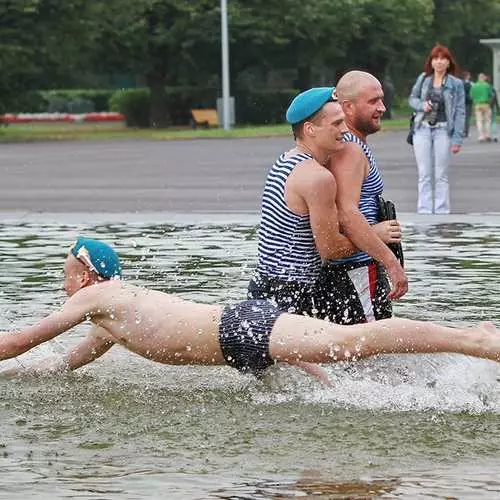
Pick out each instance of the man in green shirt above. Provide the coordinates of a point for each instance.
(481, 94)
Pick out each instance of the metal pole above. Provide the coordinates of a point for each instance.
(225, 66)
(494, 45)
(496, 68)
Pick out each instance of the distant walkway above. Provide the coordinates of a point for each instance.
(216, 175)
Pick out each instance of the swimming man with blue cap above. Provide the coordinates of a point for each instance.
(249, 336)
(299, 225)
(98, 257)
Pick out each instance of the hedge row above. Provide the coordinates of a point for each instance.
(253, 106)
(61, 101)
(77, 100)
(135, 104)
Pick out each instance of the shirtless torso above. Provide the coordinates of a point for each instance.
(153, 324)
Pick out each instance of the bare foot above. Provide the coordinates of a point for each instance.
(489, 343)
(489, 327)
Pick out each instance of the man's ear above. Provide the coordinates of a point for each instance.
(348, 107)
(85, 278)
(308, 129)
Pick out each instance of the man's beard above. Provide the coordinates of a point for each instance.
(366, 126)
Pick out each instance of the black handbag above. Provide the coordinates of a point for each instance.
(409, 138)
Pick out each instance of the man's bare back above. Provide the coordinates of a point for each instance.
(153, 324)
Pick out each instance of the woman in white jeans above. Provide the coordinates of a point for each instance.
(438, 99)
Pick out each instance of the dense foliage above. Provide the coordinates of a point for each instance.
(274, 45)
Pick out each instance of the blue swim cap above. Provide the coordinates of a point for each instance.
(98, 257)
(309, 102)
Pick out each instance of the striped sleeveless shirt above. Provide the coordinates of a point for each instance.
(372, 186)
(286, 247)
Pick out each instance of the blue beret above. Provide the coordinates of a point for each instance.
(98, 257)
(309, 102)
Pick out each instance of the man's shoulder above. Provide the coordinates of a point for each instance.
(99, 291)
(352, 153)
(312, 170)
(352, 146)
(294, 156)
(311, 175)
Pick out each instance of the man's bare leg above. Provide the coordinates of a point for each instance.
(299, 338)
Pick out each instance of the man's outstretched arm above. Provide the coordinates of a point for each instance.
(73, 312)
(92, 347)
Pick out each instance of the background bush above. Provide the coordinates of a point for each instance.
(134, 104)
(29, 102)
(77, 100)
(252, 106)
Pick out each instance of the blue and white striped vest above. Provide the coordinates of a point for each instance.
(372, 186)
(286, 249)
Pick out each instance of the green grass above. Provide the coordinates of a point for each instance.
(85, 131)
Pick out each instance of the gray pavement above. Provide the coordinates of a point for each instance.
(218, 176)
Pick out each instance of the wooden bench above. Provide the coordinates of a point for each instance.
(204, 118)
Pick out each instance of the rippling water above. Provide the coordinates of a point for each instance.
(395, 426)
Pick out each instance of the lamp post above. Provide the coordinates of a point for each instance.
(494, 45)
(225, 66)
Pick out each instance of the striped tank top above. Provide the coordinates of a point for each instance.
(372, 186)
(286, 247)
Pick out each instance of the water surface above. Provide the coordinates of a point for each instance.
(394, 426)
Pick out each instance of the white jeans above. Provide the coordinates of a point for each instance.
(432, 147)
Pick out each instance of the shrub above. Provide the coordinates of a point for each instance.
(261, 106)
(67, 100)
(25, 102)
(134, 104)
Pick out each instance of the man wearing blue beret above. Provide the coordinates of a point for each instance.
(359, 281)
(299, 226)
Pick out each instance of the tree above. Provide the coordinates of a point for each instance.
(393, 34)
(461, 23)
(295, 34)
(37, 50)
(18, 69)
(145, 38)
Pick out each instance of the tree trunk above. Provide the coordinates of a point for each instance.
(158, 110)
(303, 76)
(157, 76)
(377, 67)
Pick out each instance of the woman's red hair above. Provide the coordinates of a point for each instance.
(440, 51)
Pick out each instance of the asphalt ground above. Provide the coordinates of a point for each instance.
(211, 175)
